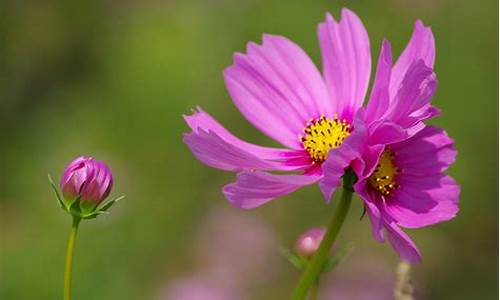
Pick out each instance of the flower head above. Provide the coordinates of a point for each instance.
(308, 243)
(316, 117)
(403, 185)
(87, 178)
(85, 184)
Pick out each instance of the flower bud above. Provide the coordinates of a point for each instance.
(308, 243)
(89, 179)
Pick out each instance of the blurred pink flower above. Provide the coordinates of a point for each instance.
(358, 280)
(232, 249)
(308, 243)
(236, 247)
(197, 288)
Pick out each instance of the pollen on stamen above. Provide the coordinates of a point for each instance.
(324, 134)
(383, 178)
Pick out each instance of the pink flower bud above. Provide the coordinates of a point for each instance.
(88, 178)
(308, 243)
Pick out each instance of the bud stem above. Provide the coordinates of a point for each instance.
(69, 258)
(315, 265)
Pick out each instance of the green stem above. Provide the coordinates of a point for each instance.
(316, 264)
(69, 258)
(313, 292)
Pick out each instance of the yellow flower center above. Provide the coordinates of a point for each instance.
(324, 134)
(383, 178)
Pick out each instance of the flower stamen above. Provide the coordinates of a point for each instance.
(383, 178)
(322, 135)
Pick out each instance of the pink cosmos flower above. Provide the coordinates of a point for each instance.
(315, 116)
(402, 184)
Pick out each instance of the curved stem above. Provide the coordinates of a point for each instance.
(316, 264)
(69, 258)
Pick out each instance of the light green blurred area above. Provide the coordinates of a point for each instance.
(112, 79)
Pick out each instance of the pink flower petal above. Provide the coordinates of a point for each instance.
(379, 97)
(373, 212)
(252, 189)
(384, 132)
(413, 97)
(212, 150)
(420, 47)
(402, 243)
(277, 88)
(427, 200)
(202, 120)
(345, 51)
(430, 151)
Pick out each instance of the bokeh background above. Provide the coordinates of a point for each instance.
(112, 79)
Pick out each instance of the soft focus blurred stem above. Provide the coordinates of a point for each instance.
(69, 258)
(313, 292)
(315, 265)
(403, 289)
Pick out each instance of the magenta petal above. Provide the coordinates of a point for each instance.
(212, 150)
(426, 201)
(402, 243)
(280, 159)
(385, 132)
(420, 47)
(370, 157)
(277, 88)
(430, 151)
(94, 187)
(340, 158)
(252, 189)
(372, 210)
(77, 163)
(414, 95)
(345, 52)
(106, 183)
(202, 120)
(74, 177)
(379, 97)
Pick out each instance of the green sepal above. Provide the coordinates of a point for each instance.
(95, 214)
(363, 213)
(335, 259)
(296, 260)
(82, 210)
(74, 207)
(106, 205)
(349, 179)
(87, 207)
(58, 196)
(101, 209)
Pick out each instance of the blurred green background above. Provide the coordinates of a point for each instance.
(111, 79)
